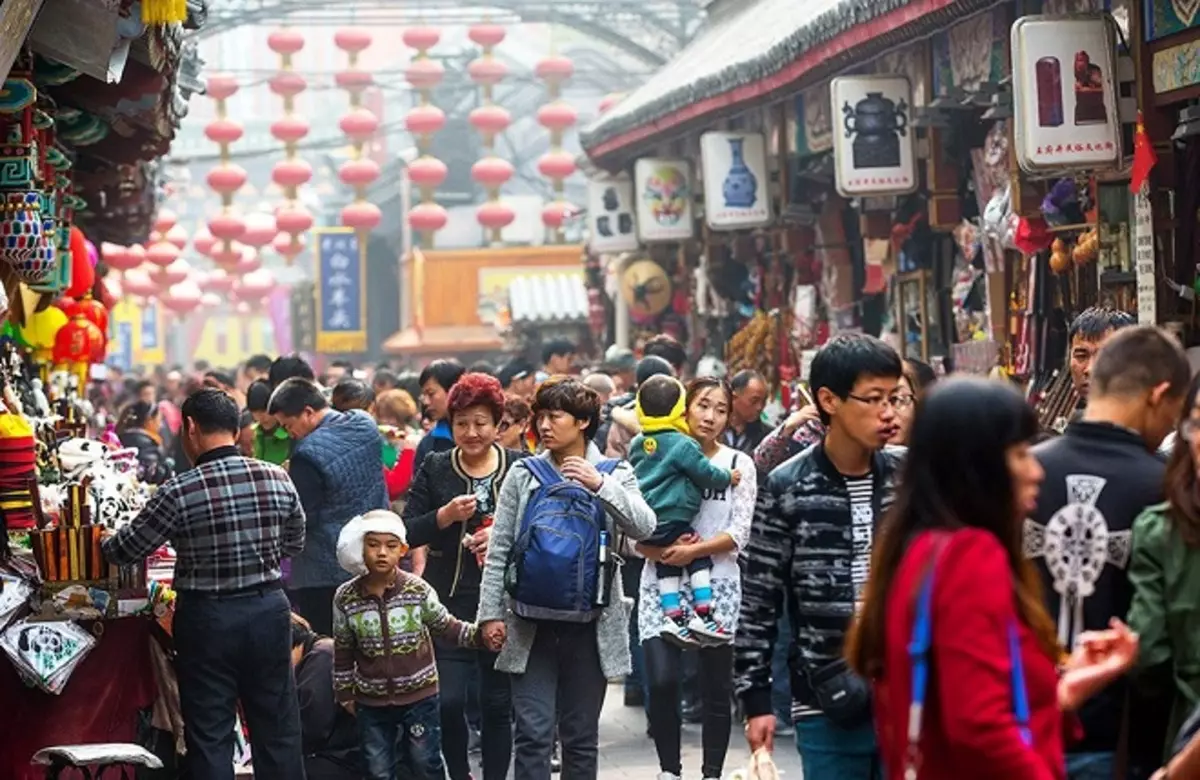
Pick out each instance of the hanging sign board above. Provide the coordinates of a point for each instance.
(341, 291)
(1143, 260)
(610, 215)
(735, 180)
(873, 147)
(663, 193)
(1064, 95)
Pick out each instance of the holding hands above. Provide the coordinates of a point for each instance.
(494, 634)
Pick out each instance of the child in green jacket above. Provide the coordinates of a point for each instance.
(672, 472)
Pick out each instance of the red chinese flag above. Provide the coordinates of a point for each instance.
(1144, 158)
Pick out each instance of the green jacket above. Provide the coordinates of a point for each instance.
(672, 471)
(1165, 613)
(274, 446)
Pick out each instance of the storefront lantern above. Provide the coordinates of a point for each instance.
(91, 310)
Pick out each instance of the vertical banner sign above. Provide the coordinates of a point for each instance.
(341, 291)
(150, 325)
(1143, 258)
(122, 356)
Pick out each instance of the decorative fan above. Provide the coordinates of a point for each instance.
(646, 288)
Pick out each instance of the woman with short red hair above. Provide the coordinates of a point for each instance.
(450, 506)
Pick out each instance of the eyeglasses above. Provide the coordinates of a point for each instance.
(897, 401)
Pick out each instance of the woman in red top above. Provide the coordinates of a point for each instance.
(969, 482)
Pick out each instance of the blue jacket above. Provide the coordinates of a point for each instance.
(338, 471)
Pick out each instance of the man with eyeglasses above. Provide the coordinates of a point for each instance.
(810, 548)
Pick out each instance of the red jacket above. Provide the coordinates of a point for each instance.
(399, 477)
(968, 728)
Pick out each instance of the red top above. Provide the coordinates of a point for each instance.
(399, 477)
(968, 728)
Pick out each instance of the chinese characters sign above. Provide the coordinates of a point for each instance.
(150, 325)
(1143, 259)
(873, 147)
(1065, 105)
(341, 292)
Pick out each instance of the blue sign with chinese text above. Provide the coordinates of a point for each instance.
(341, 291)
(150, 325)
(122, 356)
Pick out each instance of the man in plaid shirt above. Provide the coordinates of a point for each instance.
(231, 520)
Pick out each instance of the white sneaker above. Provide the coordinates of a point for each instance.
(678, 634)
(709, 631)
(668, 776)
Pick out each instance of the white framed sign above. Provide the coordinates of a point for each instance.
(1143, 260)
(874, 151)
(735, 180)
(1065, 114)
(611, 222)
(663, 192)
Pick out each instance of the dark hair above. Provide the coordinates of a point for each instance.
(919, 374)
(302, 632)
(444, 372)
(408, 382)
(258, 396)
(517, 368)
(556, 348)
(481, 367)
(669, 349)
(142, 385)
(220, 377)
(846, 359)
(342, 364)
(743, 378)
(951, 481)
(290, 367)
(475, 389)
(213, 411)
(258, 363)
(658, 395)
(702, 383)
(295, 395)
(1095, 322)
(351, 393)
(1183, 501)
(385, 376)
(1137, 360)
(568, 394)
(136, 415)
(517, 408)
(652, 365)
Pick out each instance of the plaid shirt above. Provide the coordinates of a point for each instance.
(231, 520)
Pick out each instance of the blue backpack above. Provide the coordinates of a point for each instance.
(561, 563)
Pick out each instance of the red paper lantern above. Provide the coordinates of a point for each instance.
(352, 40)
(291, 173)
(360, 124)
(227, 178)
(164, 221)
(260, 230)
(139, 284)
(290, 129)
(492, 172)
(610, 100)
(361, 216)
(288, 245)
(555, 214)
(223, 131)
(424, 73)
(227, 227)
(486, 35)
(557, 116)
(556, 165)
(174, 273)
(287, 84)
(221, 86)
(91, 310)
(428, 172)
(358, 173)
(83, 276)
(353, 79)
(424, 120)
(288, 41)
(427, 217)
(490, 119)
(487, 71)
(249, 263)
(183, 298)
(554, 68)
(162, 254)
(77, 341)
(217, 281)
(421, 38)
(203, 241)
(293, 219)
(495, 215)
(178, 236)
(119, 258)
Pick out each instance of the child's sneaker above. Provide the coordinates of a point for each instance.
(709, 631)
(677, 633)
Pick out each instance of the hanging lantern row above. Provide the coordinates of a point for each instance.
(228, 227)
(359, 125)
(426, 172)
(557, 116)
(291, 219)
(491, 172)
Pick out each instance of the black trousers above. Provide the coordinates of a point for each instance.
(457, 668)
(664, 670)
(230, 651)
(316, 606)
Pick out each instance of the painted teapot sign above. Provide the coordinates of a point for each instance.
(874, 151)
(610, 215)
(663, 192)
(735, 180)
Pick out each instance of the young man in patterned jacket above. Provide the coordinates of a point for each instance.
(812, 534)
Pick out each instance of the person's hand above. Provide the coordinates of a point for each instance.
(735, 478)
(679, 555)
(478, 541)
(494, 634)
(1160, 775)
(581, 471)
(799, 418)
(1099, 658)
(760, 733)
(457, 510)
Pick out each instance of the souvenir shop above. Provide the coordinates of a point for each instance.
(91, 100)
(927, 193)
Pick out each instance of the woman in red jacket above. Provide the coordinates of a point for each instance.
(953, 621)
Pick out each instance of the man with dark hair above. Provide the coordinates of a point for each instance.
(669, 349)
(255, 368)
(436, 381)
(289, 367)
(810, 549)
(623, 425)
(518, 377)
(621, 365)
(1086, 335)
(350, 393)
(557, 357)
(1100, 474)
(270, 441)
(746, 428)
(146, 391)
(231, 521)
(337, 466)
(337, 371)
(385, 379)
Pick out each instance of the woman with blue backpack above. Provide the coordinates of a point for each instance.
(968, 676)
(550, 593)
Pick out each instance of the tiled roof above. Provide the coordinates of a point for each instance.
(548, 298)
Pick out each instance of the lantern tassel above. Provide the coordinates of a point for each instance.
(164, 11)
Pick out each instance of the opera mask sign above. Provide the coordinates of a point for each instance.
(873, 148)
(663, 191)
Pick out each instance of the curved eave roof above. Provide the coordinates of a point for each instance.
(766, 46)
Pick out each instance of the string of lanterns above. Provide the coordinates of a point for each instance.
(292, 220)
(360, 125)
(425, 119)
(557, 116)
(490, 119)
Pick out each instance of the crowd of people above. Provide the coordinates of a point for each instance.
(383, 572)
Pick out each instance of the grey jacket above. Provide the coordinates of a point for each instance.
(628, 510)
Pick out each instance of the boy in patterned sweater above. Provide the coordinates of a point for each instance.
(384, 621)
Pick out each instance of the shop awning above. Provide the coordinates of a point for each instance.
(547, 299)
(762, 48)
(444, 341)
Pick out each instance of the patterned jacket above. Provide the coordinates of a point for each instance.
(383, 648)
(802, 540)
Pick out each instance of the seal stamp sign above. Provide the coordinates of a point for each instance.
(1076, 544)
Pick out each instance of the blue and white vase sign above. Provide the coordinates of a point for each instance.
(874, 150)
(735, 180)
(611, 220)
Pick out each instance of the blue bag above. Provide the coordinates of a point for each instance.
(561, 563)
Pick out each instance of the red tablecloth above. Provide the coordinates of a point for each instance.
(99, 704)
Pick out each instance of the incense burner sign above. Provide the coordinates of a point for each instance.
(873, 148)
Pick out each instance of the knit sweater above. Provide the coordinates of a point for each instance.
(383, 646)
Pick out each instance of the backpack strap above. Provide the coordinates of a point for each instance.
(542, 471)
(608, 465)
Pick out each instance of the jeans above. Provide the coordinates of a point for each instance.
(456, 668)
(829, 752)
(1099, 766)
(233, 649)
(781, 676)
(316, 606)
(664, 669)
(563, 686)
(402, 738)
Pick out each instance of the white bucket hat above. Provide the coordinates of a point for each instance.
(350, 540)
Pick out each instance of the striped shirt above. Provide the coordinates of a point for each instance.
(231, 520)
